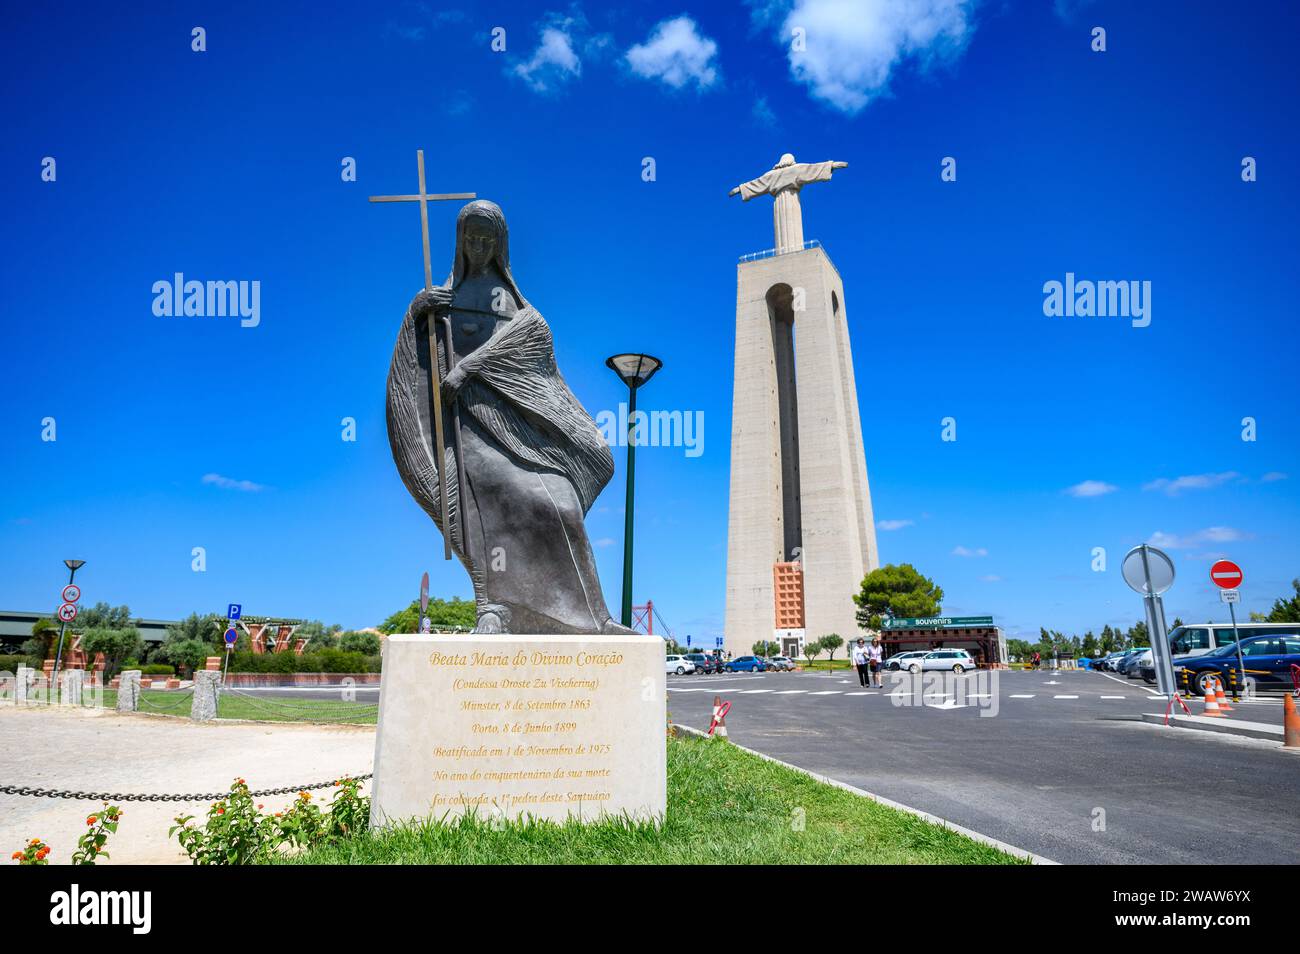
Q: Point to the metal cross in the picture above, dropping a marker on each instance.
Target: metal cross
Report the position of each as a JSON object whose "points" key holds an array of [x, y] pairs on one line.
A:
{"points": [[424, 198]]}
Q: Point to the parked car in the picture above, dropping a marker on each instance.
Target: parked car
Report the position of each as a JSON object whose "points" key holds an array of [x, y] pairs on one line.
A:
{"points": [[904, 660], [678, 664], [1268, 661], [704, 663], [746, 664], [954, 660], [781, 664], [1115, 660], [1201, 639], [1128, 666]]}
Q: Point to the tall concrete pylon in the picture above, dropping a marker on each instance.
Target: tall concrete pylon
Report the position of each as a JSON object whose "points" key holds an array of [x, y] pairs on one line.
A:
{"points": [[799, 492]]}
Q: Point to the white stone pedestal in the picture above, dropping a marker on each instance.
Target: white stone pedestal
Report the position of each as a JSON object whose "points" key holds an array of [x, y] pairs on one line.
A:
{"points": [[554, 727]]}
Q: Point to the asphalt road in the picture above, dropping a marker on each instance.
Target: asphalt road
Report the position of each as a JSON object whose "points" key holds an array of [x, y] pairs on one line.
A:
{"points": [[1052, 757]]}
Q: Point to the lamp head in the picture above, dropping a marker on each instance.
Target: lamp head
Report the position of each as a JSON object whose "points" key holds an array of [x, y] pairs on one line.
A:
{"points": [[634, 369], [74, 564]]}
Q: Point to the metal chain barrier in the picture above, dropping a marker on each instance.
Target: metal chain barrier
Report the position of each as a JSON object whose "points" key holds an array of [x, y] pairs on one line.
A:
{"points": [[353, 710], [148, 797], [182, 700]]}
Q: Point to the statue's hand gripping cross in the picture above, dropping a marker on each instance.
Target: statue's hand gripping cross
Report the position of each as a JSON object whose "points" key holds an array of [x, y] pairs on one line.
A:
{"points": [[424, 198]]}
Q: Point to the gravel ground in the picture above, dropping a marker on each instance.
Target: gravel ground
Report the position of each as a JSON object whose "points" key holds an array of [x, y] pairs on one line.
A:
{"points": [[100, 751]]}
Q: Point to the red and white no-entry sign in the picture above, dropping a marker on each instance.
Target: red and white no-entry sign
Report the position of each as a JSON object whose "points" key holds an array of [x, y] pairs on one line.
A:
{"points": [[1226, 574]]}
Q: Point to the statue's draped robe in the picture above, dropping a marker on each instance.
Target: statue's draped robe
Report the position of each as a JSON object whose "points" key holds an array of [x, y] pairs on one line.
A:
{"points": [[783, 184], [534, 463]]}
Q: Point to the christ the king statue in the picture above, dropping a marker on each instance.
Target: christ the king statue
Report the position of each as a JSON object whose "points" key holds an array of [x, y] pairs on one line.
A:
{"points": [[783, 182]]}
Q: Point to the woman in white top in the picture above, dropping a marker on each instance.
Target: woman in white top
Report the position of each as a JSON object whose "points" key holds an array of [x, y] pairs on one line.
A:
{"points": [[875, 660]]}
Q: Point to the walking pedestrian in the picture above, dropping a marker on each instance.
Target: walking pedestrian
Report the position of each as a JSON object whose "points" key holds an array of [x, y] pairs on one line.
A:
{"points": [[876, 660], [861, 661]]}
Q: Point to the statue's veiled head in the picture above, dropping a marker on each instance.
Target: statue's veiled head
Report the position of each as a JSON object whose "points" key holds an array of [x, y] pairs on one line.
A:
{"points": [[785, 160], [482, 240]]}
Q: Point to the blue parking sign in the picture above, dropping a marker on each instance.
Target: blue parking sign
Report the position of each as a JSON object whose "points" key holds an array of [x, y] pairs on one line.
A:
{"points": [[233, 611], [231, 636]]}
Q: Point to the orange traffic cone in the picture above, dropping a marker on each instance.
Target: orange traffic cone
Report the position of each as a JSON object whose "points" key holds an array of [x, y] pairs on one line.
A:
{"points": [[1220, 697], [1211, 702], [1290, 724]]}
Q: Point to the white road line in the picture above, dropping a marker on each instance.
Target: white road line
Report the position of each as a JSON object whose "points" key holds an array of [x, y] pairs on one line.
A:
{"points": [[862, 693], [752, 692], [675, 689], [791, 692], [827, 692], [1022, 697], [1114, 697], [1065, 697], [1125, 682]]}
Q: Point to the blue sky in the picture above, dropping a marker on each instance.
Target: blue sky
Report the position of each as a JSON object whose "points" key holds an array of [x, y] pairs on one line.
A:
{"points": [[175, 433]]}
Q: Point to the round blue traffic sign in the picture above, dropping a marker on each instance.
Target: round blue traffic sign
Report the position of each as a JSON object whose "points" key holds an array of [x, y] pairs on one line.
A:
{"points": [[231, 636]]}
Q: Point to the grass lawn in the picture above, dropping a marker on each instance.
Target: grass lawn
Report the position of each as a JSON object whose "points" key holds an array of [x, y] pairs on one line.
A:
{"points": [[724, 807], [233, 706], [827, 664]]}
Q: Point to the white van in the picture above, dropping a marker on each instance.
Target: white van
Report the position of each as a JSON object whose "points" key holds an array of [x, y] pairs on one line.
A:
{"points": [[1200, 638]]}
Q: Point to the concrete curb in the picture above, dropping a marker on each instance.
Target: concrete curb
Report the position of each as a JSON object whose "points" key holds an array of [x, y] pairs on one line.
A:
{"points": [[890, 803], [1224, 726]]}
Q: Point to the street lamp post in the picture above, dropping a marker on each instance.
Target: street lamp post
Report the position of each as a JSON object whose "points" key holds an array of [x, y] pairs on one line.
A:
{"points": [[73, 566], [634, 370]]}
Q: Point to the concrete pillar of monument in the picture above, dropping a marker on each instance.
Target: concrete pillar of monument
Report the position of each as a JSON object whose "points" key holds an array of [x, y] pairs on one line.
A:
{"points": [[207, 688], [128, 691], [799, 486]]}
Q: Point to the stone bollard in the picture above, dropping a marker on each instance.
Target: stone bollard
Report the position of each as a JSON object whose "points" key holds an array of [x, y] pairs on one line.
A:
{"points": [[23, 688], [128, 692], [207, 685], [71, 682]]}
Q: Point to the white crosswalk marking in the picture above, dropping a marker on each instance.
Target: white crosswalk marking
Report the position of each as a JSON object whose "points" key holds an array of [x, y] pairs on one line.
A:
{"points": [[1065, 697], [1023, 697], [1114, 697]]}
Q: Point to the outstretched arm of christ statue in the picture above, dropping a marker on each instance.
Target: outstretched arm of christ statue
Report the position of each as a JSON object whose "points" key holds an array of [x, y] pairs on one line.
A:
{"points": [[795, 176]]}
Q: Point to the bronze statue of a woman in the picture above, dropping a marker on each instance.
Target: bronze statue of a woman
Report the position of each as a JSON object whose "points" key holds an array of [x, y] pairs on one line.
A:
{"points": [[530, 457]]}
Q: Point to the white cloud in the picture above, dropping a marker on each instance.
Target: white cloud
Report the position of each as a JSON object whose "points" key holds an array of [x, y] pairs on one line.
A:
{"points": [[762, 112], [849, 49], [1091, 488], [676, 53], [964, 552], [1068, 9], [229, 483], [892, 524], [1273, 475], [1173, 541], [990, 578], [605, 542], [1190, 482], [555, 61]]}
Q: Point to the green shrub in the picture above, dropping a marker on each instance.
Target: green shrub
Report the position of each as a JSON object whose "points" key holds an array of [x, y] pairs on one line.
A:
{"points": [[155, 669], [11, 663], [320, 660]]}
